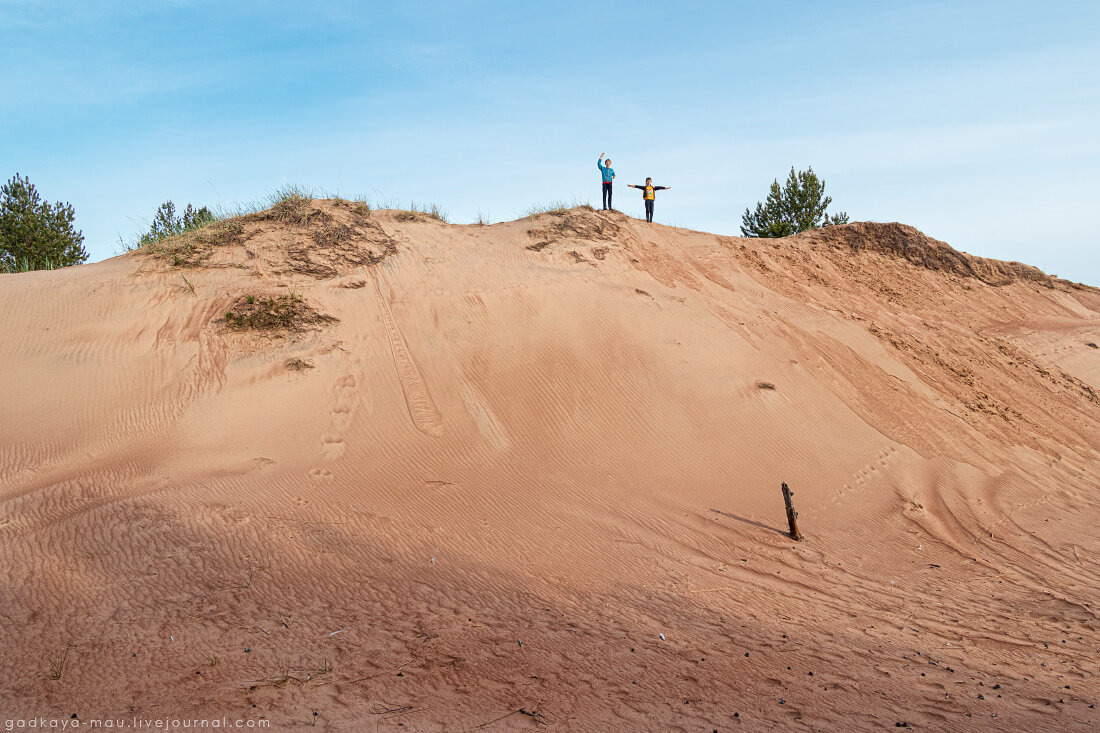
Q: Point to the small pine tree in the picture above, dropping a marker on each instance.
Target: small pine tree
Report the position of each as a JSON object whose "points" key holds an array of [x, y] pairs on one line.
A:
{"points": [[196, 218], [35, 234], [798, 206], [167, 224]]}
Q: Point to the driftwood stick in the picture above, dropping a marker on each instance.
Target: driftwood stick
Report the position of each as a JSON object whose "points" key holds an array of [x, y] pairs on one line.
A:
{"points": [[792, 515]]}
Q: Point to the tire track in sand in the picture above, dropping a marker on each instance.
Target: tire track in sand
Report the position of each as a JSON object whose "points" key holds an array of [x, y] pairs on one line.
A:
{"points": [[422, 410]]}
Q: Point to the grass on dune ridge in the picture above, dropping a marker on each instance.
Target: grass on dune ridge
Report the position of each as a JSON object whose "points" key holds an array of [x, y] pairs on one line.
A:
{"points": [[291, 204], [558, 207]]}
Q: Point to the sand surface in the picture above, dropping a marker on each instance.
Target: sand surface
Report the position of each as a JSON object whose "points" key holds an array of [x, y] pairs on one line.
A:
{"points": [[510, 458]]}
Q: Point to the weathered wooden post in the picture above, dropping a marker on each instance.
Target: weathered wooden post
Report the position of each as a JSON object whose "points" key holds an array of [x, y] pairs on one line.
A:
{"points": [[792, 515]]}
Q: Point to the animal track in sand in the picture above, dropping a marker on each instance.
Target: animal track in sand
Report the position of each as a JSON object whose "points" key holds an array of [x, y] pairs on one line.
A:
{"points": [[866, 473], [344, 401]]}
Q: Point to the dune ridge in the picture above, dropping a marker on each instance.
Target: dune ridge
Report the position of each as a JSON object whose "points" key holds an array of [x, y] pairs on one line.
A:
{"points": [[904, 241], [481, 471]]}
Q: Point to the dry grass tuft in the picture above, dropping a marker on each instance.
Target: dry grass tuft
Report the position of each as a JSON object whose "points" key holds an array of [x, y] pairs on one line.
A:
{"points": [[417, 211], [57, 666], [331, 233], [557, 208], [359, 207], [280, 313], [296, 211], [297, 365]]}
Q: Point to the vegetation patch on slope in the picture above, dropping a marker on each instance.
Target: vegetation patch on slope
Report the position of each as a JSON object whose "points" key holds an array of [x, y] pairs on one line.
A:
{"points": [[192, 247], [310, 238], [581, 223], [273, 313]]}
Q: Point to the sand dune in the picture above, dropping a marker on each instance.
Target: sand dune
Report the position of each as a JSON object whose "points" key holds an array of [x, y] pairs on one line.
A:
{"points": [[474, 473]]}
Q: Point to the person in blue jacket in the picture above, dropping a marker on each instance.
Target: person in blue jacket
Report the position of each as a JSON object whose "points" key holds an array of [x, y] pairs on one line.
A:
{"points": [[648, 191], [608, 174]]}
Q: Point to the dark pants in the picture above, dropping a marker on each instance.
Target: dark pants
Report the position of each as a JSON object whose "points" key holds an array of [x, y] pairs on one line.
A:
{"points": [[649, 209], [607, 195]]}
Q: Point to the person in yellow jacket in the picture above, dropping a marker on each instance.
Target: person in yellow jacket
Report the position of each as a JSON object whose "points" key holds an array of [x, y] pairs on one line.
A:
{"points": [[648, 191]]}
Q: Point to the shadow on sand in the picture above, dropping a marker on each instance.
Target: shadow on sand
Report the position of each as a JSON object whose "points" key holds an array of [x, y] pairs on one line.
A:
{"points": [[753, 522]]}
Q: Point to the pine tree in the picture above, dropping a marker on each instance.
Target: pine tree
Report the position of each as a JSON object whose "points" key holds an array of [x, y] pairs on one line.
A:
{"points": [[35, 234], [798, 206], [167, 224]]}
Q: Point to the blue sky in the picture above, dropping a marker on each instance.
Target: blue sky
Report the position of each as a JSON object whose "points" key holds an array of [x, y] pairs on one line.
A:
{"points": [[977, 122]]}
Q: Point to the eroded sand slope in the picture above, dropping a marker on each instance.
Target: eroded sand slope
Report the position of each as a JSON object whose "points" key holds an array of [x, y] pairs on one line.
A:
{"points": [[567, 431]]}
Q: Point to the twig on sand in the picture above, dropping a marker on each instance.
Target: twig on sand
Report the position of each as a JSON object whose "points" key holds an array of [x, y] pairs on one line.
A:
{"points": [[494, 720], [378, 674], [386, 708], [263, 631], [408, 711], [246, 586], [709, 590], [539, 717]]}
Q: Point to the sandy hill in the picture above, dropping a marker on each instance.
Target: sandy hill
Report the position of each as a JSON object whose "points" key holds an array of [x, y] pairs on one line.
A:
{"points": [[372, 471]]}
